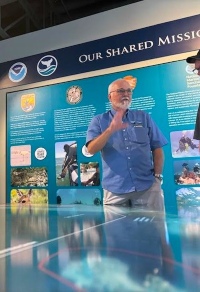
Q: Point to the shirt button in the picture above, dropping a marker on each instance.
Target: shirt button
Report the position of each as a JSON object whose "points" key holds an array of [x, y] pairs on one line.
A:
{"points": [[129, 158], [123, 130], [126, 147]]}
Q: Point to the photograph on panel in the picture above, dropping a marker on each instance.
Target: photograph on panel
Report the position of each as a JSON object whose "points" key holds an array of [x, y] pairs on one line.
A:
{"points": [[183, 144], [20, 155], [29, 196], [90, 174], [188, 197], [187, 172], [72, 196], [66, 163], [29, 177]]}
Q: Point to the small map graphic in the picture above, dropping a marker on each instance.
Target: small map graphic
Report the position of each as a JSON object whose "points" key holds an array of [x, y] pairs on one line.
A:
{"points": [[20, 155]]}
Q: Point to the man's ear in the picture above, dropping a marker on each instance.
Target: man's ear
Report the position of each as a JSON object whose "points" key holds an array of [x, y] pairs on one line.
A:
{"points": [[109, 96]]}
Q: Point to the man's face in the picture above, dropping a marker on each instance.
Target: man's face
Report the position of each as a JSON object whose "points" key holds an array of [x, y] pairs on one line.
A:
{"points": [[120, 95], [197, 66]]}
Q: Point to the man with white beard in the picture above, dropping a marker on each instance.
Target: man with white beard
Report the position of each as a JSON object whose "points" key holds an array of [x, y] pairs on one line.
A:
{"points": [[131, 149]]}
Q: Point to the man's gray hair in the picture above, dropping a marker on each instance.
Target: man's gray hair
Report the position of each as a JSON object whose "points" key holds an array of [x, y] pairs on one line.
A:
{"points": [[111, 84]]}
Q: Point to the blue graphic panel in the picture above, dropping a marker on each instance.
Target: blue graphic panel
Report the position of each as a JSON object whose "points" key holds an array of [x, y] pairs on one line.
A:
{"points": [[43, 122]]}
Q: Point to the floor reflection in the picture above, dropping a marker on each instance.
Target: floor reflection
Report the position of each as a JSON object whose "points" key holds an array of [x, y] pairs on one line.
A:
{"points": [[84, 248]]}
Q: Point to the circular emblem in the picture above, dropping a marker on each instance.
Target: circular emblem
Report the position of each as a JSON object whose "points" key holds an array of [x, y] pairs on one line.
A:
{"points": [[40, 153], [85, 152], [47, 65], [17, 72], [74, 94], [189, 69]]}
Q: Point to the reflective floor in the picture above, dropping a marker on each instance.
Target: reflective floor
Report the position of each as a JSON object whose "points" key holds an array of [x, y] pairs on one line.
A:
{"points": [[83, 248]]}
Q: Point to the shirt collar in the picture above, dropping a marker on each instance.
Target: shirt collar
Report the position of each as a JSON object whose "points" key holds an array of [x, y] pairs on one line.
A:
{"points": [[113, 112]]}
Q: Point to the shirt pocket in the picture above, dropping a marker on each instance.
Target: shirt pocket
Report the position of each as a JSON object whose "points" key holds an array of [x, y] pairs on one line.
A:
{"points": [[138, 134]]}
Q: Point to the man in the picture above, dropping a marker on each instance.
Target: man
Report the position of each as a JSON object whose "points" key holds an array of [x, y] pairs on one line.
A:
{"points": [[196, 61], [70, 164], [131, 149]]}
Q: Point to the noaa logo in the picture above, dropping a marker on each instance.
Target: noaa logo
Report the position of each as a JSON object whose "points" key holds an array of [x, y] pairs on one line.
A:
{"points": [[17, 72], [47, 65]]}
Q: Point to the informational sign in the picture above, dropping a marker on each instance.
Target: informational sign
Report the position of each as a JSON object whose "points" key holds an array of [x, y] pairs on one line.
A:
{"points": [[47, 125], [166, 39]]}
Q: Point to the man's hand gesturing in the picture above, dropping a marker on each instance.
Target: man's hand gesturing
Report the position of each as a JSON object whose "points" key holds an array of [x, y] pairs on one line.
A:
{"points": [[117, 123]]}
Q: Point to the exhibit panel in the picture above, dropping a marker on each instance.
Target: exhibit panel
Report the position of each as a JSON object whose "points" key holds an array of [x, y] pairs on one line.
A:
{"points": [[41, 121]]}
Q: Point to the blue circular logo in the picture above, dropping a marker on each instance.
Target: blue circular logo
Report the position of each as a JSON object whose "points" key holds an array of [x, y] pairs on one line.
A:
{"points": [[17, 72], [47, 65]]}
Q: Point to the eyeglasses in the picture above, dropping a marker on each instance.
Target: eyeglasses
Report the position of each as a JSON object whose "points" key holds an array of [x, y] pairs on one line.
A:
{"points": [[196, 71], [122, 91]]}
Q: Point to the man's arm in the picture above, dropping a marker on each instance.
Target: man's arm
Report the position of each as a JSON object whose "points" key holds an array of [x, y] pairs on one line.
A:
{"points": [[158, 159], [99, 142]]}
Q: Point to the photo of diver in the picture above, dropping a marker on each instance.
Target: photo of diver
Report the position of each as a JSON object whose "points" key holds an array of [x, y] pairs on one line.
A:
{"points": [[187, 172], [183, 144]]}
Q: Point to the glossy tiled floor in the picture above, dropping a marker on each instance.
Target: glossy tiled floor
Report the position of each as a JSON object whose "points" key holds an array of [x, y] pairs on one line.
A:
{"points": [[83, 248]]}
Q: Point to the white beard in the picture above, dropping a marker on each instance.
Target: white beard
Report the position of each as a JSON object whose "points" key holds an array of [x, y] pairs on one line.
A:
{"points": [[125, 104]]}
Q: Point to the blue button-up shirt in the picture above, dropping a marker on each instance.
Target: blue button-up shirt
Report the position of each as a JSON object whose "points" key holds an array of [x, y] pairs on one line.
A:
{"points": [[127, 155]]}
